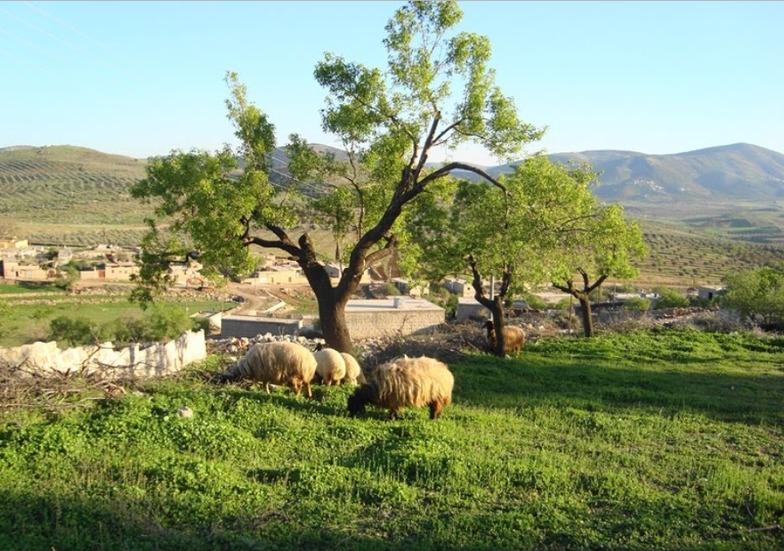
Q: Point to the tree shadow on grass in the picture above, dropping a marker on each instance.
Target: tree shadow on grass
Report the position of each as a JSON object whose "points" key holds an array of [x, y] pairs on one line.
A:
{"points": [[529, 381], [37, 520]]}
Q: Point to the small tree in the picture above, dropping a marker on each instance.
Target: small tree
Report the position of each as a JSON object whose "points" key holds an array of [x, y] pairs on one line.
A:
{"points": [[511, 236], [757, 295], [669, 298], [600, 244]]}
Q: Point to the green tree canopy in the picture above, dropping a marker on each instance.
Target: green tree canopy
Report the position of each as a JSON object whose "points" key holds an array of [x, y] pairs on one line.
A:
{"points": [[757, 294], [438, 91]]}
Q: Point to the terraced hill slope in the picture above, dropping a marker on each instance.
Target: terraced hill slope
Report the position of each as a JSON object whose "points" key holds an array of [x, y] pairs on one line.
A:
{"points": [[51, 194]]}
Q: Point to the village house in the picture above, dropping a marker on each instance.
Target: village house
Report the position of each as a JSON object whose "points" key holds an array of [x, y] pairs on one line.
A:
{"points": [[290, 274], [12, 270], [709, 292], [406, 288], [459, 287], [109, 271], [14, 243]]}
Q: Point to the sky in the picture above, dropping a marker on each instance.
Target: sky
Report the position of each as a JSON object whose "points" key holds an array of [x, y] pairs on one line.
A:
{"points": [[145, 78]]}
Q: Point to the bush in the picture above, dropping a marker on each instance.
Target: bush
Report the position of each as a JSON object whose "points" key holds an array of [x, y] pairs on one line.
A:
{"points": [[534, 302], [74, 331], [670, 298], [637, 304], [757, 295]]}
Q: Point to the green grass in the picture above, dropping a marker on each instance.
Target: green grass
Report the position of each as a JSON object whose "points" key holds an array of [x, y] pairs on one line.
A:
{"points": [[655, 440], [23, 323]]}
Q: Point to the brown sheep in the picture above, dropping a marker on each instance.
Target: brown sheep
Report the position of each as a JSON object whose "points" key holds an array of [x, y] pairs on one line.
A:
{"points": [[514, 337], [405, 382]]}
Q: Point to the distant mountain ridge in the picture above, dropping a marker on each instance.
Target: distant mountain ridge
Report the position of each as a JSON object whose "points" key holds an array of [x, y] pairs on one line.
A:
{"points": [[724, 173], [736, 172]]}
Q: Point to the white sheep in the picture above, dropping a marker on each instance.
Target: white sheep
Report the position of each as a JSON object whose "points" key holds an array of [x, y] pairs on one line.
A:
{"points": [[353, 370], [405, 382], [330, 366], [281, 363]]}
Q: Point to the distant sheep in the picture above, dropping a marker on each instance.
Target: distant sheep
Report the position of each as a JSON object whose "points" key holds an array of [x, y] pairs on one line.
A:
{"points": [[514, 337], [405, 382], [330, 366], [353, 370], [281, 363]]}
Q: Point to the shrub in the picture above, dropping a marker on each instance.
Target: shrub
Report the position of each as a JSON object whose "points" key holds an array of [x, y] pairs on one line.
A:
{"points": [[757, 295], [74, 331], [637, 304], [670, 298]]}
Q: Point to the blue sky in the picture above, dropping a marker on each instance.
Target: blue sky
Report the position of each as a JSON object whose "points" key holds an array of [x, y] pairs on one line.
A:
{"points": [[143, 78]]}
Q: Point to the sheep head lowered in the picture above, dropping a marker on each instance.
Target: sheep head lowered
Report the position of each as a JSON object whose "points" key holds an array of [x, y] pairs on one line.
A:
{"points": [[405, 382], [514, 337], [279, 363]]}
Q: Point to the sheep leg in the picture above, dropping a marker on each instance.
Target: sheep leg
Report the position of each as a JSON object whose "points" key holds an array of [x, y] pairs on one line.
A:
{"points": [[436, 408], [308, 392], [295, 386], [393, 414]]}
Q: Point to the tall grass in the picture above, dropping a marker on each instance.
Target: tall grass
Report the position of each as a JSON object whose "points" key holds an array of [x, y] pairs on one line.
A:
{"points": [[655, 440]]}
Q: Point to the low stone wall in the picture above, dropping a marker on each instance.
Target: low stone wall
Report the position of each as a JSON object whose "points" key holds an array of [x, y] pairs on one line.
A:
{"points": [[133, 362]]}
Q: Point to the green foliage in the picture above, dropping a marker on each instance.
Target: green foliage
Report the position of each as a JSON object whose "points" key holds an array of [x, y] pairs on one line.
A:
{"points": [[637, 304], [670, 298], [758, 295], [73, 330], [157, 324], [67, 276], [558, 448], [533, 301]]}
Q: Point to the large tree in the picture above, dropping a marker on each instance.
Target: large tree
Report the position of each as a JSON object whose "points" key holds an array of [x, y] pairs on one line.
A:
{"points": [[513, 238], [438, 91]]}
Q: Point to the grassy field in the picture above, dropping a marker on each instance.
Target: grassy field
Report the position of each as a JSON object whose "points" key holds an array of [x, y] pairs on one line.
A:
{"points": [[25, 319], [663, 440]]}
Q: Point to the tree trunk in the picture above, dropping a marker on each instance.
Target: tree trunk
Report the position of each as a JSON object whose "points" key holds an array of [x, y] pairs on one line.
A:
{"points": [[332, 315], [585, 310], [331, 300], [499, 322]]}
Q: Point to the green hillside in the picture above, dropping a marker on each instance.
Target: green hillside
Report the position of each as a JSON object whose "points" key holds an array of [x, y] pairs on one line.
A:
{"points": [[65, 195], [62, 193]]}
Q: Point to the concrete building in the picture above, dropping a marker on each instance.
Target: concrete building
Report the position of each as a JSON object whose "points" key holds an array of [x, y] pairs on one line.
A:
{"points": [[12, 270], [392, 316], [250, 326], [709, 292], [14, 243], [470, 309], [459, 287]]}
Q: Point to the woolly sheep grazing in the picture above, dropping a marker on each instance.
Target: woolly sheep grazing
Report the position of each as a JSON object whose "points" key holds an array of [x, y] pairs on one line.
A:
{"points": [[353, 370], [330, 366], [514, 337], [281, 363], [405, 382]]}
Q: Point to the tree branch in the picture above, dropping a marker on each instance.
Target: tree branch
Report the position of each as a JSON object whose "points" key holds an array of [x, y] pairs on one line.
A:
{"points": [[447, 168], [476, 283]]}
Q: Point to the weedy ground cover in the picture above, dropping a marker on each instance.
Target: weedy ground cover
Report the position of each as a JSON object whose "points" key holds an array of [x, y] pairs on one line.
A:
{"points": [[23, 323], [651, 440]]}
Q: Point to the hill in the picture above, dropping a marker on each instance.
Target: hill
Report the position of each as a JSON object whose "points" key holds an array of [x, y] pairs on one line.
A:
{"points": [[77, 196], [53, 192], [738, 172]]}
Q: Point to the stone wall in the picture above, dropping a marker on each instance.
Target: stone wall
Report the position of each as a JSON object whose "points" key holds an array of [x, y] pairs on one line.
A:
{"points": [[132, 362]]}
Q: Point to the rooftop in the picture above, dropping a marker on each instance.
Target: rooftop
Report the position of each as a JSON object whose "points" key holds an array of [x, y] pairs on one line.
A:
{"points": [[391, 304]]}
